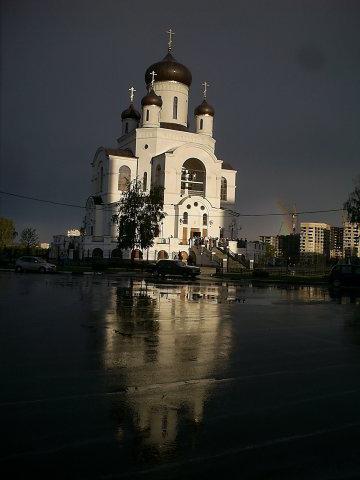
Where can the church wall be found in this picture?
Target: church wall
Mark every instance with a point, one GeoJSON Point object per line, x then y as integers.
{"type": "Point", "coordinates": [112, 193]}
{"type": "Point", "coordinates": [167, 91]}
{"type": "Point", "coordinates": [230, 176]}
{"type": "Point", "coordinates": [174, 163]}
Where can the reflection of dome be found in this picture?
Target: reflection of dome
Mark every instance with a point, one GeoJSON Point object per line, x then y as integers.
{"type": "Point", "coordinates": [131, 113]}
{"type": "Point", "coordinates": [169, 70]}
{"type": "Point", "coordinates": [204, 109]}
{"type": "Point", "coordinates": [151, 99]}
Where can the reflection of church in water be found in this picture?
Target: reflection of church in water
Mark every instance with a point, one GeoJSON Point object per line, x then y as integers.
{"type": "Point", "coordinates": [160, 337]}
{"type": "Point", "coordinates": [158, 148]}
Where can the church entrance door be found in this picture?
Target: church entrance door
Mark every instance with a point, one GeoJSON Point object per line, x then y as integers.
{"type": "Point", "coordinates": [195, 232]}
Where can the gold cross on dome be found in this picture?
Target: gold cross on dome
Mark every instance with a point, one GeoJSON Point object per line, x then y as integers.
{"type": "Point", "coordinates": [205, 84]}
{"type": "Point", "coordinates": [132, 91]}
{"type": "Point", "coordinates": [170, 42]}
{"type": "Point", "coordinates": [153, 75]}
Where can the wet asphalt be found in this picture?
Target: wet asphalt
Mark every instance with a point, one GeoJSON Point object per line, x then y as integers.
{"type": "Point", "coordinates": [112, 377]}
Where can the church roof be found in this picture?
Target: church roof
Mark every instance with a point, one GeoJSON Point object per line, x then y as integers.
{"type": "Point", "coordinates": [174, 126]}
{"type": "Point", "coordinates": [131, 113]}
{"type": "Point", "coordinates": [227, 166]}
{"type": "Point", "coordinates": [204, 109]}
{"type": "Point", "coordinates": [168, 69]}
{"type": "Point", "coordinates": [118, 152]}
{"type": "Point", "coordinates": [151, 99]}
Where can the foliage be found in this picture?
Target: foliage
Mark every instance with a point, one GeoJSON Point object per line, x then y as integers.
{"type": "Point", "coordinates": [7, 232]}
{"type": "Point", "coordinates": [352, 204]}
{"type": "Point", "coordinates": [29, 237]}
{"type": "Point", "coordinates": [139, 216]}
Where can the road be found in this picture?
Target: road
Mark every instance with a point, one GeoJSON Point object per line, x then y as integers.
{"type": "Point", "coordinates": [109, 377]}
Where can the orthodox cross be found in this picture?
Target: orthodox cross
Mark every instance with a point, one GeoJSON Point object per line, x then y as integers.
{"type": "Point", "coordinates": [205, 88]}
{"type": "Point", "coordinates": [132, 91]}
{"type": "Point", "coordinates": [171, 33]}
{"type": "Point", "coordinates": [153, 75]}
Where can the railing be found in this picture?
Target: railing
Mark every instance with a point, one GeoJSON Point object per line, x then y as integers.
{"type": "Point", "coordinates": [198, 193]}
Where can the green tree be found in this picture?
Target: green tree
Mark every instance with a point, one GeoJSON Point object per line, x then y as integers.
{"type": "Point", "coordinates": [7, 232]}
{"type": "Point", "coordinates": [29, 237]}
{"type": "Point", "coordinates": [352, 204]}
{"type": "Point", "coordinates": [139, 216]}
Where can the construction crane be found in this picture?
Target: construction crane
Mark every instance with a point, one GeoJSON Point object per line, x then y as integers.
{"type": "Point", "coordinates": [290, 217]}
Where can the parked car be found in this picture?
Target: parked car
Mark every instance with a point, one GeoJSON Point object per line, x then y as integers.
{"type": "Point", "coordinates": [175, 268]}
{"type": "Point", "coordinates": [33, 264]}
{"type": "Point", "coordinates": [345, 275]}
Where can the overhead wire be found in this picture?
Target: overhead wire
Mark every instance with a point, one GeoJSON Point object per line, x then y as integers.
{"type": "Point", "coordinates": [232, 213]}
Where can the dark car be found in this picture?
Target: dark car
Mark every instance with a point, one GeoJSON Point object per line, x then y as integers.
{"type": "Point", "coordinates": [345, 275]}
{"type": "Point", "coordinates": [174, 268]}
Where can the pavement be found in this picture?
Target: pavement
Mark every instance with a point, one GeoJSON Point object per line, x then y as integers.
{"type": "Point", "coordinates": [121, 377]}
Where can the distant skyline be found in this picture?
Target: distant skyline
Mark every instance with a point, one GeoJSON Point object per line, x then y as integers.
{"type": "Point", "coordinates": [284, 81]}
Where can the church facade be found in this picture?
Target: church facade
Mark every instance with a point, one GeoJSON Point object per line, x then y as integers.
{"type": "Point", "coordinates": [157, 147]}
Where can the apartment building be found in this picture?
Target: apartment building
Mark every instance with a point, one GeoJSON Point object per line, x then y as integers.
{"type": "Point", "coordinates": [351, 243]}
{"type": "Point", "coordinates": [336, 242]}
{"type": "Point", "coordinates": [315, 238]}
{"type": "Point", "coordinates": [272, 240]}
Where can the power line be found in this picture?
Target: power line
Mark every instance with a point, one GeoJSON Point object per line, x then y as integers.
{"type": "Point", "coordinates": [232, 213]}
{"type": "Point", "coordinates": [40, 200]}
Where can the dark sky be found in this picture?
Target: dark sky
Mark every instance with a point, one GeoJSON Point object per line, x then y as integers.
{"type": "Point", "coordinates": [285, 83]}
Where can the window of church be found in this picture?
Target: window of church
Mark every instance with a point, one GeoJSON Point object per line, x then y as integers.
{"type": "Point", "coordinates": [202, 207]}
{"type": "Point", "coordinates": [158, 175]}
{"type": "Point", "coordinates": [223, 191]}
{"type": "Point", "coordinates": [147, 115]}
{"type": "Point", "coordinates": [188, 206]}
{"type": "Point", "coordinates": [145, 182]}
{"type": "Point", "coordinates": [193, 177]}
{"type": "Point", "coordinates": [196, 204]}
{"type": "Point", "coordinates": [201, 123]}
{"type": "Point", "coordinates": [175, 108]}
{"type": "Point", "coordinates": [205, 219]}
{"type": "Point", "coordinates": [185, 218]}
{"type": "Point", "coordinates": [124, 178]}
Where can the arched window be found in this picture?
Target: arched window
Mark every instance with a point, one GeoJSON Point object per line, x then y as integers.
{"type": "Point", "coordinates": [124, 178]}
{"type": "Point", "coordinates": [100, 178]}
{"type": "Point", "coordinates": [126, 127]}
{"type": "Point", "coordinates": [185, 218]}
{"type": "Point", "coordinates": [158, 175]}
{"type": "Point", "coordinates": [223, 191]}
{"type": "Point", "coordinates": [175, 107]}
{"type": "Point", "coordinates": [193, 177]}
{"type": "Point", "coordinates": [147, 115]}
{"type": "Point", "coordinates": [145, 181]}
{"type": "Point", "coordinates": [201, 123]}
{"type": "Point", "coordinates": [205, 219]}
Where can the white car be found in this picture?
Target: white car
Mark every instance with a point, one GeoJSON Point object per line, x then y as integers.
{"type": "Point", "coordinates": [34, 264]}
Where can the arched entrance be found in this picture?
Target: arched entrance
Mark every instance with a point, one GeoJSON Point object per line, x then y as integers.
{"type": "Point", "coordinates": [136, 254]}
{"type": "Point", "coordinates": [116, 253]}
{"type": "Point", "coordinates": [97, 253]}
{"type": "Point", "coordinates": [162, 255]}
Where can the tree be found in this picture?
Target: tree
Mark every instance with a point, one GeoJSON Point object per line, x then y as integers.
{"type": "Point", "coordinates": [29, 237]}
{"type": "Point", "coordinates": [7, 232]}
{"type": "Point", "coordinates": [352, 204]}
{"type": "Point", "coordinates": [139, 216]}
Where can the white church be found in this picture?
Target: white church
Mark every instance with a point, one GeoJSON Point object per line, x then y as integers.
{"type": "Point", "coordinates": [158, 147]}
